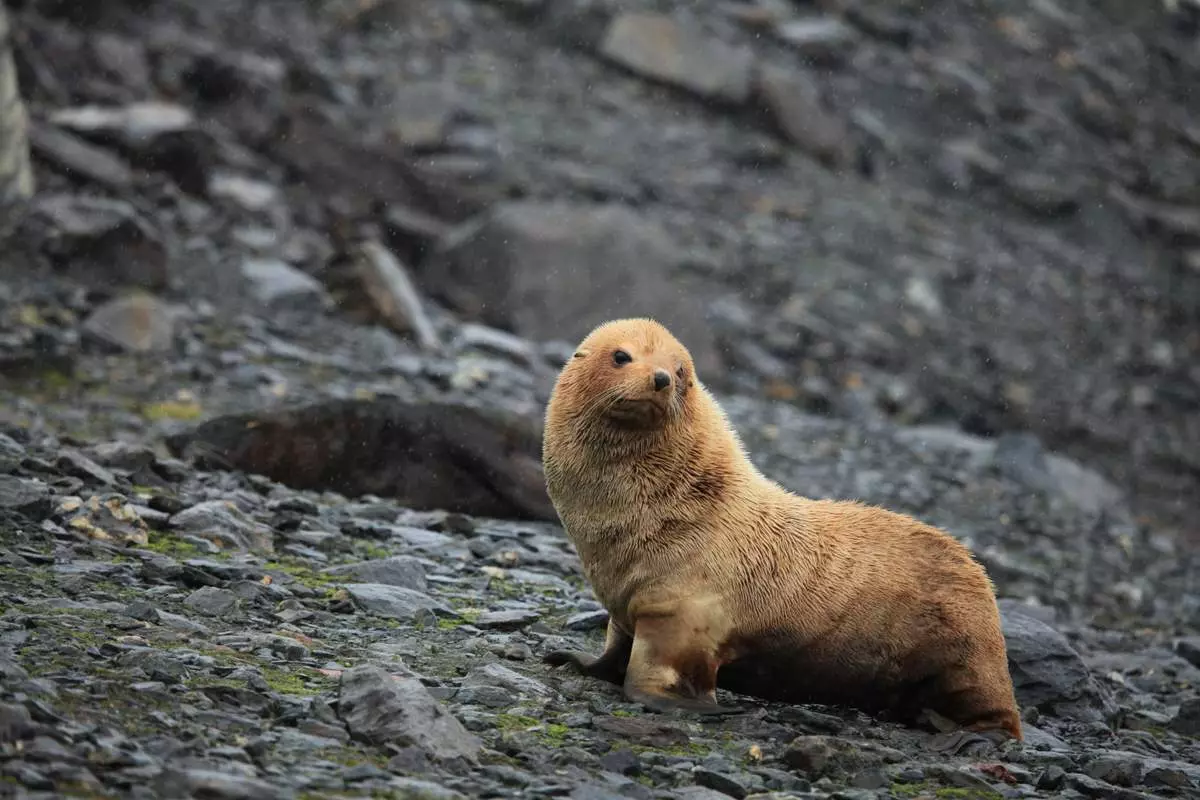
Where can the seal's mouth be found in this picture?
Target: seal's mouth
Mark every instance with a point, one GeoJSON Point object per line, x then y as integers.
{"type": "Point", "coordinates": [638, 412]}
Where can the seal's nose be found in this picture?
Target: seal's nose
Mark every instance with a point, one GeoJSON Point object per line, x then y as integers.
{"type": "Point", "coordinates": [661, 380]}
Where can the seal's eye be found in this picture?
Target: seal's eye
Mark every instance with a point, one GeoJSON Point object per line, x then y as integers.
{"type": "Point", "coordinates": [620, 357]}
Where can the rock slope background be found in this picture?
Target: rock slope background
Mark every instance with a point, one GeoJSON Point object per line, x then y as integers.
{"type": "Point", "coordinates": [278, 328]}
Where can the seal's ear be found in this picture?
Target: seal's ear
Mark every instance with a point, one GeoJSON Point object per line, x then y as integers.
{"type": "Point", "coordinates": [580, 354]}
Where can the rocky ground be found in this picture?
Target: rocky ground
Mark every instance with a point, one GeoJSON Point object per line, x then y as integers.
{"type": "Point", "coordinates": [277, 332]}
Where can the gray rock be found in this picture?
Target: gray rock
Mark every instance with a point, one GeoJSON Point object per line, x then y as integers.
{"type": "Point", "coordinates": [224, 524]}
{"type": "Point", "coordinates": [656, 47]}
{"type": "Point", "coordinates": [11, 454]}
{"type": "Point", "coordinates": [394, 602]}
{"type": "Point", "coordinates": [15, 723]}
{"type": "Point", "coordinates": [506, 620]}
{"type": "Point", "coordinates": [498, 675]}
{"type": "Point", "coordinates": [1048, 674]}
{"type": "Point", "coordinates": [278, 284]}
{"type": "Point", "coordinates": [249, 194]}
{"type": "Point", "coordinates": [587, 621]}
{"type": "Point", "coordinates": [793, 99]}
{"type": "Point", "coordinates": [29, 497]}
{"type": "Point", "coordinates": [391, 294]}
{"type": "Point", "coordinates": [136, 123]}
{"type": "Point", "coordinates": [1189, 649]}
{"type": "Point", "coordinates": [404, 571]}
{"type": "Point", "coordinates": [820, 40]}
{"type": "Point", "coordinates": [105, 242]}
{"type": "Point", "coordinates": [138, 323]}
{"type": "Point", "coordinates": [215, 785]}
{"type": "Point", "coordinates": [381, 709]}
{"type": "Point", "coordinates": [622, 264]}
{"type": "Point", "coordinates": [1187, 721]}
{"type": "Point", "coordinates": [212, 601]}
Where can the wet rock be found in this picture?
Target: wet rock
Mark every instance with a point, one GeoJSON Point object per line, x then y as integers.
{"type": "Point", "coordinates": [15, 723]}
{"type": "Point", "coordinates": [29, 497]}
{"type": "Point", "coordinates": [497, 675]}
{"type": "Point", "coordinates": [278, 284]}
{"type": "Point", "coordinates": [506, 620]}
{"type": "Point", "coordinates": [394, 602]}
{"type": "Point", "coordinates": [224, 525]}
{"type": "Point", "coordinates": [1187, 721]}
{"type": "Point", "coordinates": [136, 124]}
{"type": "Point", "coordinates": [1023, 457]}
{"type": "Point", "coordinates": [656, 47]}
{"type": "Point", "coordinates": [11, 454]}
{"type": "Point", "coordinates": [1048, 674]}
{"type": "Point", "coordinates": [621, 265]}
{"type": "Point", "coordinates": [358, 174]}
{"type": "Point", "coordinates": [819, 40]}
{"type": "Point", "coordinates": [216, 785]}
{"type": "Point", "coordinates": [103, 242]}
{"type": "Point", "coordinates": [793, 100]}
{"type": "Point", "coordinates": [1188, 648]}
{"type": "Point", "coordinates": [1043, 195]}
{"type": "Point", "coordinates": [403, 571]}
{"type": "Point", "coordinates": [475, 459]}
{"type": "Point", "coordinates": [137, 323]}
{"type": "Point", "coordinates": [423, 114]}
{"type": "Point", "coordinates": [379, 708]}
{"type": "Point", "coordinates": [391, 295]}
{"type": "Point", "coordinates": [79, 159]}
{"type": "Point", "coordinates": [587, 621]}
{"type": "Point", "coordinates": [250, 195]}
{"type": "Point", "coordinates": [212, 601]}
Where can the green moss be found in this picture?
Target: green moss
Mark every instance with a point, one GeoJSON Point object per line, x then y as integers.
{"type": "Point", "coordinates": [184, 411]}
{"type": "Point", "coordinates": [170, 545]}
{"type": "Point", "coordinates": [925, 790]}
{"type": "Point", "coordinates": [554, 733]}
{"type": "Point", "coordinates": [371, 550]}
{"type": "Point", "coordinates": [957, 793]}
{"type": "Point", "coordinates": [515, 722]}
{"type": "Point", "coordinates": [302, 572]}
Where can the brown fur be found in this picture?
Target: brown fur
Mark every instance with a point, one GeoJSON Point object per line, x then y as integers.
{"type": "Point", "coordinates": [715, 576]}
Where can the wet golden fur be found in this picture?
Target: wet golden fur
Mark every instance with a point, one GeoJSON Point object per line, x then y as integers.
{"type": "Point", "coordinates": [714, 575]}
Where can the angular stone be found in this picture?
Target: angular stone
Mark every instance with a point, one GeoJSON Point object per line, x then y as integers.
{"type": "Point", "coordinates": [103, 242]}
{"type": "Point", "coordinates": [1048, 674]}
{"type": "Point", "coordinates": [1187, 721]}
{"type": "Point", "coordinates": [819, 40]}
{"type": "Point", "coordinates": [403, 571]}
{"type": "Point", "coordinates": [554, 270]}
{"type": "Point", "coordinates": [29, 497]}
{"type": "Point", "coordinates": [794, 101]}
{"type": "Point", "coordinates": [212, 601]}
{"type": "Point", "coordinates": [11, 453]}
{"type": "Point", "coordinates": [80, 159]}
{"type": "Point", "coordinates": [138, 323]}
{"type": "Point", "coordinates": [587, 621]}
{"type": "Point", "coordinates": [379, 708]}
{"type": "Point", "coordinates": [389, 291]}
{"type": "Point", "coordinates": [657, 47]}
{"type": "Point", "coordinates": [225, 525]}
{"type": "Point", "coordinates": [394, 602]}
{"type": "Point", "coordinates": [134, 124]}
{"type": "Point", "coordinates": [216, 786]}
{"type": "Point", "coordinates": [276, 283]}
{"type": "Point", "coordinates": [105, 518]}
{"type": "Point", "coordinates": [506, 620]}
{"type": "Point", "coordinates": [498, 675]}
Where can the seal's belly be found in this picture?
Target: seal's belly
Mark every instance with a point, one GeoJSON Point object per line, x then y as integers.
{"type": "Point", "coordinates": [775, 667]}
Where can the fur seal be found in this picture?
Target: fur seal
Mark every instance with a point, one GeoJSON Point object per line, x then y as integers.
{"type": "Point", "coordinates": [716, 576]}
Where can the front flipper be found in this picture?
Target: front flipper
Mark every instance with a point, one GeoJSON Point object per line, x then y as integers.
{"type": "Point", "coordinates": [671, 668]}
{"type": "Point", "coordinates": [609, 666]}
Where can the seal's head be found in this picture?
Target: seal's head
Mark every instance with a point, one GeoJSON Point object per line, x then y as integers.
{"type": "Point", "coordinates": [627, 375]}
